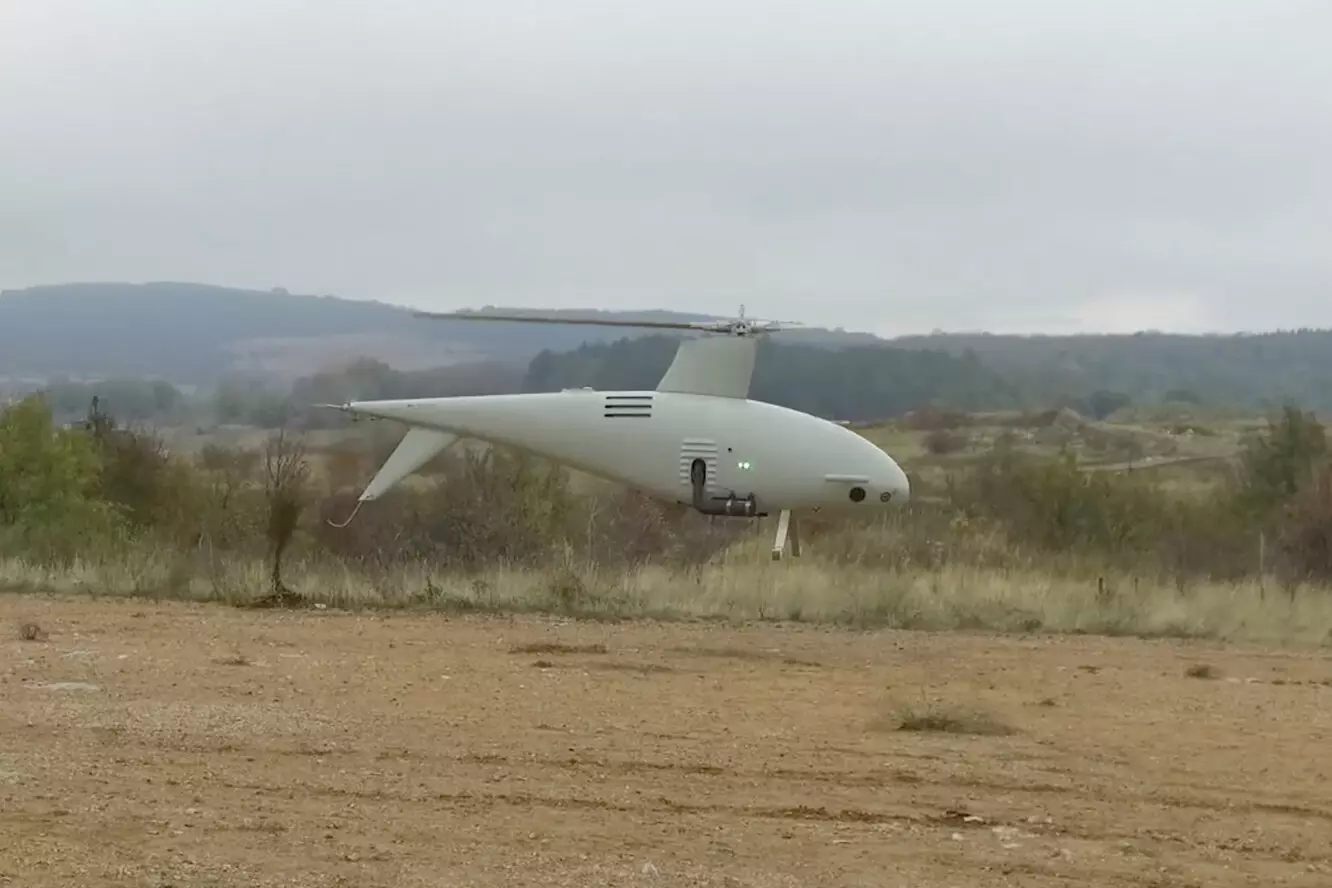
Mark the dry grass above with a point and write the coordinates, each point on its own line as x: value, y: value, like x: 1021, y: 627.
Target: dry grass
x: 936, y: 569
x: 556, y: 647
x: 943, y: 719
x: 1201, y: 670
x: 746, y: 655
x: 738, y: 588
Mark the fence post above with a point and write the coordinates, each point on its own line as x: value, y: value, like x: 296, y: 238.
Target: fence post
x: 1262, y: 564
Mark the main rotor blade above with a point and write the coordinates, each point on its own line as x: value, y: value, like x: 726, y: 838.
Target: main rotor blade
x: 598, y: 322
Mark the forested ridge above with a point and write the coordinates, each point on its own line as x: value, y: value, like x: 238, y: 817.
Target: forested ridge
x: 883, y: 381
x: 862, y: 382
x: 197, y: 334
x: 1243, y: 370
x: 163, y: 340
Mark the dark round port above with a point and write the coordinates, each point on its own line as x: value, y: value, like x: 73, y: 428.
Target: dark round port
x: 885, y: 496
x: 857, y: 494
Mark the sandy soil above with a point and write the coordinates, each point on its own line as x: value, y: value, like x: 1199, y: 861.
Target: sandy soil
x: 155, y: 745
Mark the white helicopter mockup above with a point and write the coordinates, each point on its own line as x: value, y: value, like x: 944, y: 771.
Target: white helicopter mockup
x: 697, y: 439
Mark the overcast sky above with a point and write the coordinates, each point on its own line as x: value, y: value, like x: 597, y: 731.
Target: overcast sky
x: 1024, y: 165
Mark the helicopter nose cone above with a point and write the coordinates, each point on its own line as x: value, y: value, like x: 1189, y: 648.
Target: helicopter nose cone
x: 895, y: 487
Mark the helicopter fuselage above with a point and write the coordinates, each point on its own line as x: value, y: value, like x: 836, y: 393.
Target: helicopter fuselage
x: 723, y: 455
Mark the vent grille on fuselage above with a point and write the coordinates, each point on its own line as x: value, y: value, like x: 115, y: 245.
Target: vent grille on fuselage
x: 698, y: 448
x: 628, y: 407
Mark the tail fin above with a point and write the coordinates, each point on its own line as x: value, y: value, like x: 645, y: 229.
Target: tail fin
x: 717, y: 365
x: 416, y: 448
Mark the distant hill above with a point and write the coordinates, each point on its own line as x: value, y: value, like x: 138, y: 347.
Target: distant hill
x: 853, y: 383
x: 197, y: 333
x: 1257, y: 370
x: 1093, y: 374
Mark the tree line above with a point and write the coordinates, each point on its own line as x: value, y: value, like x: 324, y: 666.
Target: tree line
x: 95, y: 490
x: 1098, y: 378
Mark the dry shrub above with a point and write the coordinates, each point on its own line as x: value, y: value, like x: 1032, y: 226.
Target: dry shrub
x: 487, y: 507
x: 286, y: 490
x: 936, y: 419
x: 1053, y: 505
x: 484, y: 507
x: 1305, y: 531
x: 1012, y: 542
x: 231, y: 508
x: 1029, y: 419
x: 630, y: 529
x: 1051, y: 510
x: 942, y: 719
x: 920, y: 535
x: 346, y: 466
x: 942, y: 442
x: 557, y: 647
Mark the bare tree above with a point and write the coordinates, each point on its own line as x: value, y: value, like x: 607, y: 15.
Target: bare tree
x: 286, y: 488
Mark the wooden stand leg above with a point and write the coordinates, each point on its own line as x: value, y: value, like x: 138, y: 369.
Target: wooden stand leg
x: 783, y: 526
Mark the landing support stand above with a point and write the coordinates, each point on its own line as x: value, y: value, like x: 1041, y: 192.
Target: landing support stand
x: 787, y: 527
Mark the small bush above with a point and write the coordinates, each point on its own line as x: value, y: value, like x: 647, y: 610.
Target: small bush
x: 286, y: 490
x: 942, y: 442
x: 950, y: 720
x: 936, y: 419
x: 557, y: 647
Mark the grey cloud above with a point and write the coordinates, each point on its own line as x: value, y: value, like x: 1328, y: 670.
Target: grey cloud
x: 886, y: 166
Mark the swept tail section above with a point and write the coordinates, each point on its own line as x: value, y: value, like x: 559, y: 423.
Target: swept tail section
x: 417, y: 447
x: 712, y: 365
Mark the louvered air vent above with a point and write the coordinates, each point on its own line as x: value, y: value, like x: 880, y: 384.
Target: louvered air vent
x: 628, y: 406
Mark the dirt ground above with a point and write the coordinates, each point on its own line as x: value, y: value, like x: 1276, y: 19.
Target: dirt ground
x: 154, y: 745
